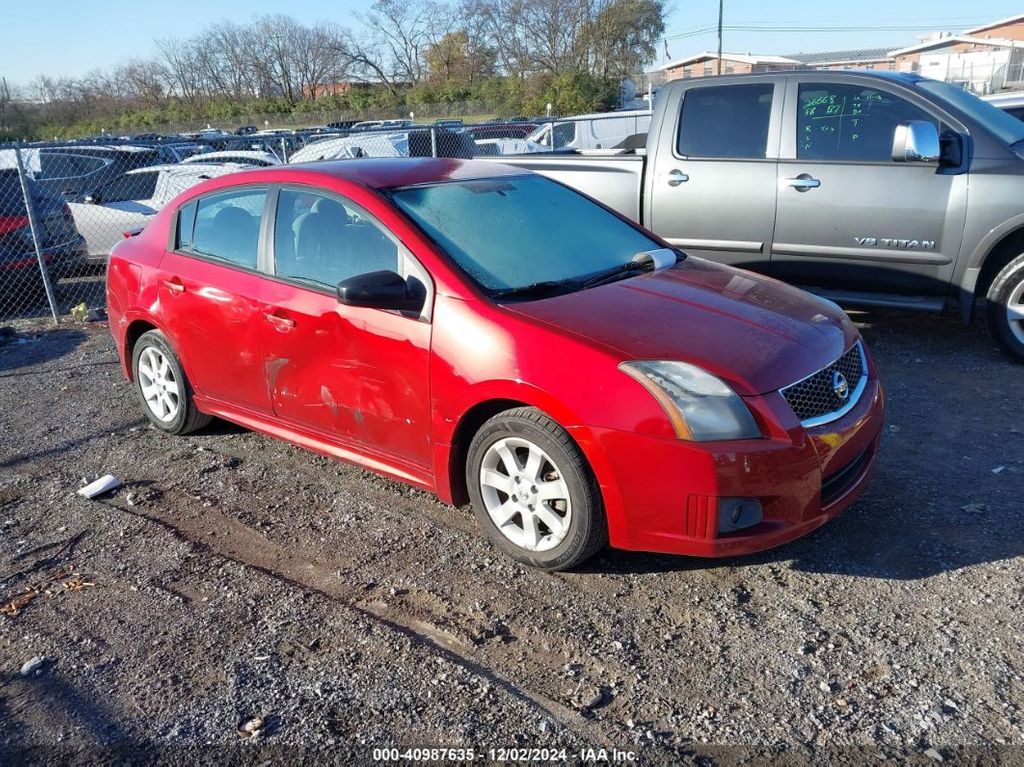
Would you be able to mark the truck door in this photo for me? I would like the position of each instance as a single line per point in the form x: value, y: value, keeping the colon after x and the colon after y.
x: 849, y: 216
x: 711, y: 187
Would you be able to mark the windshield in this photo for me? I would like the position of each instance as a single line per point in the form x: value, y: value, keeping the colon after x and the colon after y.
x: 509, y: 234
x: 1006, y: 127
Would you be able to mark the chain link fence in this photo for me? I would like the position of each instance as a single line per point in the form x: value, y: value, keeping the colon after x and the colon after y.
x: 64, y: 205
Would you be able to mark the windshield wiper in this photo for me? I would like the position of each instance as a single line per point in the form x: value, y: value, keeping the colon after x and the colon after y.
x: 643, y: 263
x: 536, y: 289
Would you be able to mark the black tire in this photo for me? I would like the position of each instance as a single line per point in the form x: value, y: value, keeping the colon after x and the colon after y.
x: 187, y: 417
x: 1008, y: 282
x: 587, y: 531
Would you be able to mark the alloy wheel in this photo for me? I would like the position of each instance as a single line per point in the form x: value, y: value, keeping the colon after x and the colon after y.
x: 525, y: 494
x: 159, y: 387
x: 1015, y: 311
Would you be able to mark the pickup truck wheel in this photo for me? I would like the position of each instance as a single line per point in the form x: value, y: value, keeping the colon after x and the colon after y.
x: 1006, y: 308
x: 163, y: 389
x: 533, y: 492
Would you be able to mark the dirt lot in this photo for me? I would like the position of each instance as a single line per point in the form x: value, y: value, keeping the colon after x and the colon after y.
x: 235, y: 576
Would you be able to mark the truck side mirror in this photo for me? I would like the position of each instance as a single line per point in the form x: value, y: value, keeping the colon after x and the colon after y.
x: 916, y: 141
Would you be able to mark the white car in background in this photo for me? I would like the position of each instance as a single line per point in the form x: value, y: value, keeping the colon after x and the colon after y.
x: 253, y: 157
x: 367, y: 144
x: 1011, y: 102
x: 129, y: 201
x: 583, y: 133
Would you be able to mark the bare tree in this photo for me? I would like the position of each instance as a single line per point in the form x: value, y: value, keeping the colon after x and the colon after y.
x: 7, y: 106
x: 319, y: 58
x: 183, y: 67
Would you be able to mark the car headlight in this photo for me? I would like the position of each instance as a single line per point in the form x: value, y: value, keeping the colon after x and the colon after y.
x: 700, y: 406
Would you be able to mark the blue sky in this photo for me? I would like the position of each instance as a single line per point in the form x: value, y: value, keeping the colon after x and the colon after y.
x: 74, y: 36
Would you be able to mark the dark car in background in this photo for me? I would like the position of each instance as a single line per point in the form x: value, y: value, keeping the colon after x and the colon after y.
x: 71, y: 172
x: 63, y: 247
x: 501, y: 130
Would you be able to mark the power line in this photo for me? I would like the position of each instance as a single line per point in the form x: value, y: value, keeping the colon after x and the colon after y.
x: 837, y: 26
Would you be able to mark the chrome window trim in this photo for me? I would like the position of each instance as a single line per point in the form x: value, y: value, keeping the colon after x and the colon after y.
x: 855, y: 395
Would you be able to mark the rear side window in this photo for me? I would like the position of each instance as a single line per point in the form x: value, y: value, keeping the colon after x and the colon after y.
x: 130, y: 186
x: 186, y: 221
x: 227, y: 226
x: 729, y: 121
x: 850, y: 122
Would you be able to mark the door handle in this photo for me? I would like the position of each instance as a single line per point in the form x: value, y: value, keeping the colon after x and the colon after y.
x: 174, y: 285
x: 283, y: 324
x: 803, y: 182
x: 676, y: 177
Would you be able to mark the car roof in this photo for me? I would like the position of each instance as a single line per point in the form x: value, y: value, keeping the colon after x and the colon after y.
x: 192, y: 167
x: 391, y: 172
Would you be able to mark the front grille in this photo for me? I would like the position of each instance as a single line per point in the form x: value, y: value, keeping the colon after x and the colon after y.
x: 815, y: 399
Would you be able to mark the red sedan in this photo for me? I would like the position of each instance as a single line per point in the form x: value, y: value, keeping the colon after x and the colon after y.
x: 495, y: 337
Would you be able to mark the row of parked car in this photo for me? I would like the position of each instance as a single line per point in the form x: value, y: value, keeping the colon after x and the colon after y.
x: 89, y: 193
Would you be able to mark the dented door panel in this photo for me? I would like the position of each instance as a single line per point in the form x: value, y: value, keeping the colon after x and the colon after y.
x: 354, y: 374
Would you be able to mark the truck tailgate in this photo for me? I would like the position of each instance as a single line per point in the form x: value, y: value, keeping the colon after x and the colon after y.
x: 615, y: 180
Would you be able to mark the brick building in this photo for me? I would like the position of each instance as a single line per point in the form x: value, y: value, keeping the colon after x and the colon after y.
x: 983, y: 59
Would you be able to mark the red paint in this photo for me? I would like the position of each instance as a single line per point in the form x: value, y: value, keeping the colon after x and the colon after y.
x: 10, y: 224
x: 387, y: 392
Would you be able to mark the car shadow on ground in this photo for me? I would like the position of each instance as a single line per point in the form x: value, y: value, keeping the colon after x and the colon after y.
x: 60, y: 703
x: 21, y: 349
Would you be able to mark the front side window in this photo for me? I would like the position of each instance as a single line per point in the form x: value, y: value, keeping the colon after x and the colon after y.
x: 320, y: 239
x: 515, y: 233
x: 729, y: 121
x: 227, y: 226
x: 850, y: 122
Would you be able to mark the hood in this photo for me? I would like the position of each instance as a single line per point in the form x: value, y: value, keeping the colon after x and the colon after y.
x: 753, y: 332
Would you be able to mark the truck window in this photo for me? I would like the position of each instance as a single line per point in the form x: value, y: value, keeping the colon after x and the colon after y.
x: 728, y: 121
x: 850, y: 122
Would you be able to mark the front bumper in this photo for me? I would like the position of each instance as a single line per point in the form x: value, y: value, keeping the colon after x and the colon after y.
x: 662, y: 495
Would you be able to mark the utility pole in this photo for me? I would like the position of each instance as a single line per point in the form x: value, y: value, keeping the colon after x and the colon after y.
x: 720, y: 4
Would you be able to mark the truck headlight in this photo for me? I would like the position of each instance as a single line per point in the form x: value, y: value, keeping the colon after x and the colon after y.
x: 700, y: 406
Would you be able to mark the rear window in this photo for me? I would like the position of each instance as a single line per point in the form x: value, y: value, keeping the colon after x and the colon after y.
x: 130, y: 186
x: 726, y: 121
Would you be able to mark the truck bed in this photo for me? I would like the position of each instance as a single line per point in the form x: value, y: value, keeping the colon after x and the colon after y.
x: 614, y: 179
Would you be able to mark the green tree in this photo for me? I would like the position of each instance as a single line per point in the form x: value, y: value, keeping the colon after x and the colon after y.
x: 623, y: 35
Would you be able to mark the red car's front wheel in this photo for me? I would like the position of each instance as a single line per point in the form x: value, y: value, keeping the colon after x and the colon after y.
x: 533, y: 492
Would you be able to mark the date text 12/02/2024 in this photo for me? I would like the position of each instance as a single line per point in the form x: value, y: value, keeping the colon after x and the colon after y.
x: 512, y: 754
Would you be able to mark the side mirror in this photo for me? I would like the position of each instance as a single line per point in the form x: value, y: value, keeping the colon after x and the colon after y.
x: 92, y: 199
x: 916, y: 141
x: 383, y: 290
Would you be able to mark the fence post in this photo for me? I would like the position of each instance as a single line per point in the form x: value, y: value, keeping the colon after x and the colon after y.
x: 26, y: 193
x: 284, y: 150
x: 551, y: 137
x: 433, y: 141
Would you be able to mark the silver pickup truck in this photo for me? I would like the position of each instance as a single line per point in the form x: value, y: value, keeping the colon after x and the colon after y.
x: 878, y: 189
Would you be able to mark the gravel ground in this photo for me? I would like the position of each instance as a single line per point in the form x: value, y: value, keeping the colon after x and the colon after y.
x: 236, y: 577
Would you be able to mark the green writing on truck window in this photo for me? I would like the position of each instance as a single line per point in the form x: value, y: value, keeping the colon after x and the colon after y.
x: 850, y: 122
